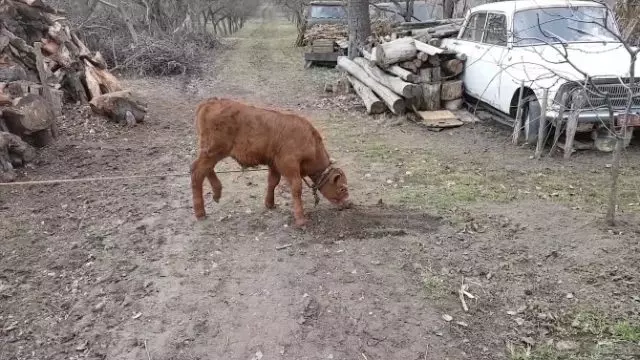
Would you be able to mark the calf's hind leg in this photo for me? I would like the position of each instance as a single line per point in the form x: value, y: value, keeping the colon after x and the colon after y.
x: 203, y: 167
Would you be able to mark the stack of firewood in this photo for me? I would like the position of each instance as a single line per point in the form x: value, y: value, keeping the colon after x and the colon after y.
x: 43, y: 63
x: 406, y: 75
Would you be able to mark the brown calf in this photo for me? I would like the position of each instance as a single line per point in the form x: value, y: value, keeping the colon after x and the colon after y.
x: 253, y: 136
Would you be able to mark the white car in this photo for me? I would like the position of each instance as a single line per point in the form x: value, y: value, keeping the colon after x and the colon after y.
x: 552, y: 44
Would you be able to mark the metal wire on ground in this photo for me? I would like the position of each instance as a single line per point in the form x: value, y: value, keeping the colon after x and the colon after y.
x: 63, y: 181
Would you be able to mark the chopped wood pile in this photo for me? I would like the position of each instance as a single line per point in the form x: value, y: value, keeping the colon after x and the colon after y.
x: 43, y: 63
x: 340, y: 32
x: 406, y: 75
x: 430, y: 31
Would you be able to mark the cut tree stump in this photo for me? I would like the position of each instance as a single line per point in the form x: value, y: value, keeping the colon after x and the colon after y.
x: 395, y: 51
x: 453, y: 67
x: 451, y: 90
x: 394, y: 102
x: 397, y: 85
x: 33, y: 117
x: 373, y: 104
x: 115, y: 106
x: 430, y: 96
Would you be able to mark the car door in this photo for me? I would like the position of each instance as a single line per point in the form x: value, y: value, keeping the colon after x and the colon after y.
x: 468, y: 44
x: 491, y: 52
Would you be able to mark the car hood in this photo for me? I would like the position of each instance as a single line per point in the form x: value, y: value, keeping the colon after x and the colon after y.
x: 575, y: 61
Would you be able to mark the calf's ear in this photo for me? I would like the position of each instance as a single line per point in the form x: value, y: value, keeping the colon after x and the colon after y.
x: 335, y: 178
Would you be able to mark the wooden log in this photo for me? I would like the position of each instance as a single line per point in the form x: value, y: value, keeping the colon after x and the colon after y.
x: 12, y: 72
x: 422, y: 56
x: 72, y: 84
x: 428, y: 49
x: 452, y: 105
x: 44, y: 76
x: 429, y: 75
x: 451, y: 90
x: 92, y: 82
x: 31, y: 115
x: 435, y: 42
x: 98, y: 61
x: 373, y: 104
x: 5, y: 100
x: 453, y: 67
x: 409, y: 66
x: 403, y: 74
x: 417, y: 63
x: 393, y: 101
x: 542, y: 127
x: 115, y: 106
x: 434, y: 61
x: 395, y: 51
x: 431, y: 96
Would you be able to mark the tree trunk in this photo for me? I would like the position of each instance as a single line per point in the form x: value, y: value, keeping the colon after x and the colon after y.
x: 448, y: 7
x: 373, y: 104
x: 393, y: 101
x: 403, y: 74
x: 359, y: 25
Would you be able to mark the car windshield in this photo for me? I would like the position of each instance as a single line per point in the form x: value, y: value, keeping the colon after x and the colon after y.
x: 563, y: 25
x: 327, y: 12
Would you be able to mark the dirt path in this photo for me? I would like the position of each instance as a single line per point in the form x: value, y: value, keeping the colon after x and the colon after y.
x: 122, y: 270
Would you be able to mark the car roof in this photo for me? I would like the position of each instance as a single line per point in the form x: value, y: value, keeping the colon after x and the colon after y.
x: 512, y: 6
x: 327, y: 3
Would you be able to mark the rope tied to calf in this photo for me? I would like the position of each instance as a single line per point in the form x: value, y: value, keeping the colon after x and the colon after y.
x: 318, y: 184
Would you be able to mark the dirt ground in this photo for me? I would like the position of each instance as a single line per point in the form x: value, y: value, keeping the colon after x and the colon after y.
x: 121, y: 270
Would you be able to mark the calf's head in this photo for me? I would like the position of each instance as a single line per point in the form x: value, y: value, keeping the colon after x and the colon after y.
x: 333, y: 186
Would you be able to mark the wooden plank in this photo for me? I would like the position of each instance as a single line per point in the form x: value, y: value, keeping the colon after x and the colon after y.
x: 440, y: 119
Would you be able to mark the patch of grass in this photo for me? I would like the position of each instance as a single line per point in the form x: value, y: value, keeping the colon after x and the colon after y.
x: 438, y: 182
x: 434, y: 287
x: 624, y: 331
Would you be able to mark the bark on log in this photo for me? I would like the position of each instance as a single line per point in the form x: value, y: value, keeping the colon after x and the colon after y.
x: 422, y: 56
x: 429, y: 75
x: 434, y: 61
x: 453, y: 67
x: 115, y: 106
x: 430, y: 96
x: 396, y: 84
x: 452, y: 105
x: 12, y: 72
x: 403, y: 74
x: 395, y: 51
x: 393, y: 101
x: 72, y: 83
x: 373, y: 104
x: 451, y: 90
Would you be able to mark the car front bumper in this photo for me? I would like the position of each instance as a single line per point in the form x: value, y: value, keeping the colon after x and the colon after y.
x: 590, y: 115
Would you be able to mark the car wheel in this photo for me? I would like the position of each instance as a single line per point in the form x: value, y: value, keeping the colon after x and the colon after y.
x: 531, y: 118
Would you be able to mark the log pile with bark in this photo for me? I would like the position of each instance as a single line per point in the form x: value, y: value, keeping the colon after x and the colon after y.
x: 406, y: 75
x: 431, y: 31
x: 43, y: 64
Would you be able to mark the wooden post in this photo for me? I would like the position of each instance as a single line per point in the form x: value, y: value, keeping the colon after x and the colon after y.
x: 518, y: 123
x: 542, y: 124
x: 572, y: 125
x: 559, y: 123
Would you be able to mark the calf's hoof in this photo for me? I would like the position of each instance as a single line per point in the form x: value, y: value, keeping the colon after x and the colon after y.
x: 200, y: 215
x: 269, y: 204
x: 301, y: 223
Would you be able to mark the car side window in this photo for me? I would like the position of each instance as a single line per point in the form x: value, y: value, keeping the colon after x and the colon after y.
x: 496, y: 30
x: 475, y: 27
